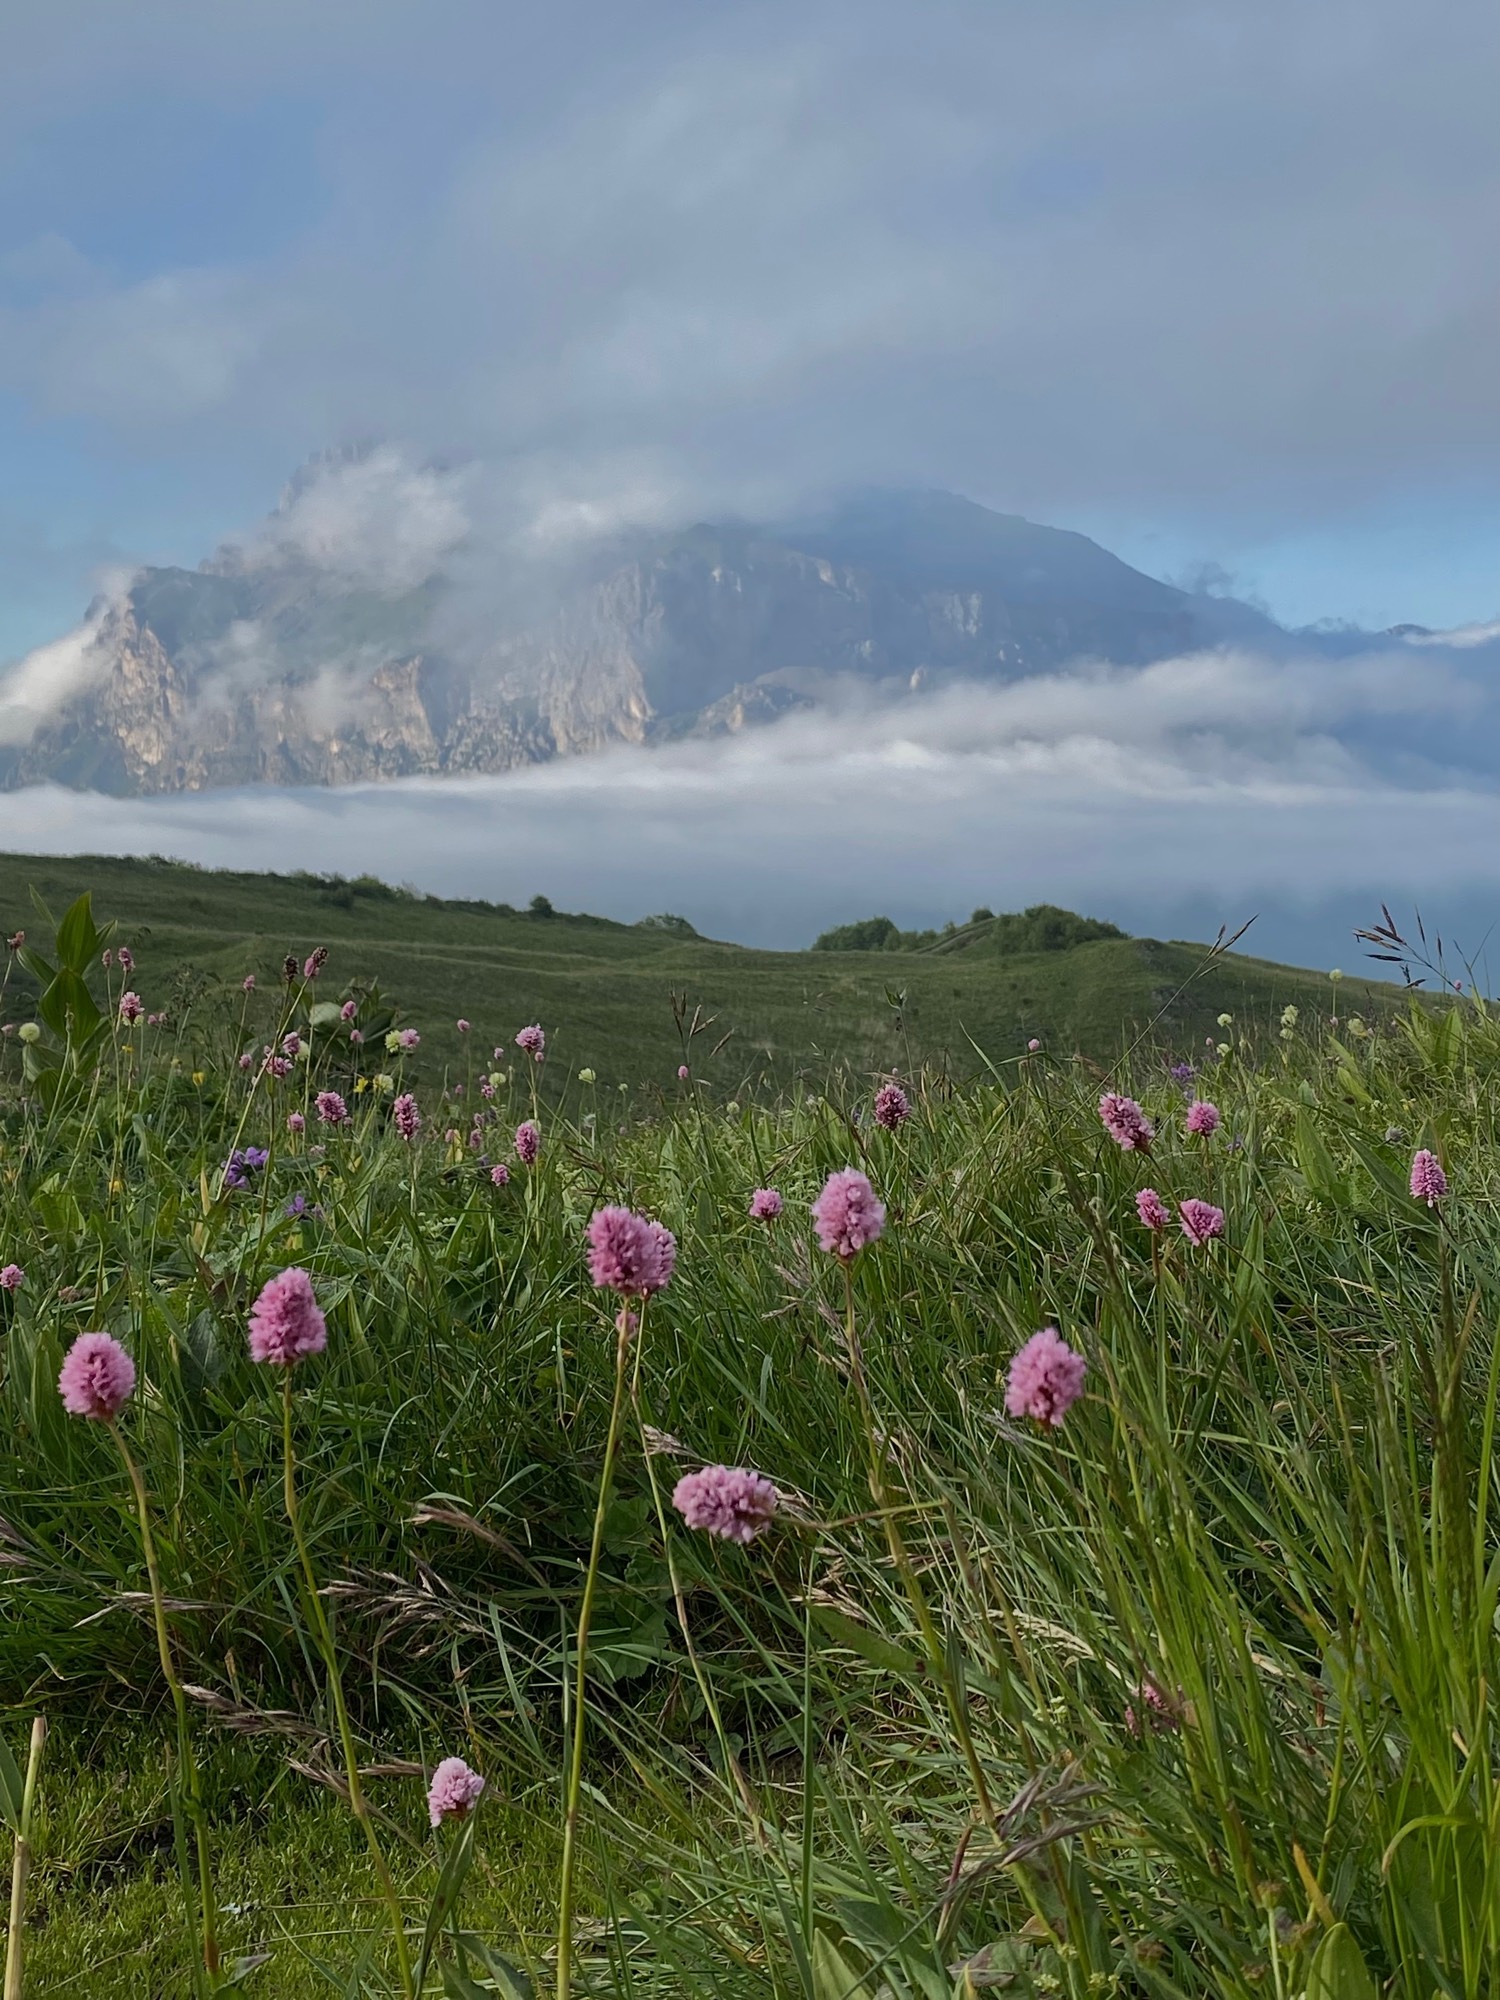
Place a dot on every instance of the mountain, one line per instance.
(267, 665)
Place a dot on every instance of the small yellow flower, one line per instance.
(360, 1086)
(392, 1043)
(197, 1076)
(587, 1076)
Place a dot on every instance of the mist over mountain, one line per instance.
(370, 630)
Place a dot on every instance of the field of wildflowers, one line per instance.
(904, 1540)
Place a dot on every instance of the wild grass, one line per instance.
(1223, 1642)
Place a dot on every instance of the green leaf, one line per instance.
(834, 1978)
(1338, 1970)
(12, 1788)
(445, 1895)
(870, 1645)
(77, 936)
(503, 1974)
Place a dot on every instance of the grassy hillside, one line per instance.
(604, 990)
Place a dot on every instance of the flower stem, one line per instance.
(931, 1639)
(574, 1791)
(357, 1800)
(204, 1911)
(21, 1866)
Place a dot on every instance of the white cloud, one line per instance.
(48, 675)
(373, 518)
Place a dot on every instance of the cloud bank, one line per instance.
(1171, 799)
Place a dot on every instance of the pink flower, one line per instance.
(1428, 1181)
(1046, 1378)
(12, 1278)
(348, 1011)
(629, 1254)
(500, 1174)
(1201, 1221)
(462, 1025)
(1202, 1118)
(291, 1045)
(1126, 1123)
(97, 1378)
(532, 1041)
(285, 1323)
(127, 961)
(765, 1205)
(245, 1060)
(331, 1108)
(295, 1122)
(357, 1036)
(848, 1215)
(487, 1090)
(316, 963)
(892, 1107)
(528, 1143)
(247, 984)
(406, 1116)
(1152, 1210)
(682, 1072)
(131, 1009)
(278, 1066)
(727, 1501)
(453, 1137)
(408, 1039)
(1032, 1046)
(107, 959)
(454, 1791)
(1160, 1713)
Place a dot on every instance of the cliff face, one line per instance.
(230, 675)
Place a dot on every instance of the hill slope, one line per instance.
(604, 990)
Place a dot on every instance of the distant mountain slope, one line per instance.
(604, 990)
(263, 667)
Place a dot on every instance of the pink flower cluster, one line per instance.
(1152, 1210)
(97, 1379)
(727, 1501)
(1046, 1378)
(1201, 1221)
(408, 1039)
(131, 1008)
(532, 1042)
(331, 1108)
(454, 1791)
(500, 1175)
(1428, 1181)
(1202, 1118)
(285, 1323)
(406, 1117)
(848, 1215)
(528, 1143)
(12, 1278)
(630, 1254)
(765, 1205)
(1126, 1123)
(892, 1107)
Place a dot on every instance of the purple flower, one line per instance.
(454, 1791)
(348, 1011)
(848, 1215)
(242, 1163)
(528, 1143)
(316, 963)
(1428, 1181)
(1032, 1046)
(12, 1278)
(1201, 1221)
(247, 984)
(1202, 1118)
(500, 1174)
(357, 1036)
(892, 1107)
(727, 1501)
(126, 958)
(1126, 1123)
(462, 1025)
(291, 1045)
(1182, 1073)
(408, 1039)
(331, 1108)
(486, 1090)
(245, 1060)
(682, 1072)
(295, 1122)
(131, 1009)
(285, 1323)
(765, 1205)
(1152, 1210)
(97, 1378)
(1046, 1378)
(532, 1041)
(297, 1206)
(406, 1116)
(275, 1065)
(629, 1254)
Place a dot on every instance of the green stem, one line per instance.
(21, 1866)
(357, 1800)
(915, 1595)
(574, 1791)
(205, 1910)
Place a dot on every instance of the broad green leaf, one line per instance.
(77, 937)
(1338, 1970)
(870, 1645)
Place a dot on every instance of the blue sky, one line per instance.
(1216, 284)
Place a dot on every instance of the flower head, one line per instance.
(765, 1205)
(848, 1215)
(356, 1036)
(1046, 1378)
(331, 1108)
(727, 1501)
(454, 1791)
(892, 1107)
(1428, 1181)
(682, 1072)
(97, 1378)
(316, 963)
(348, 1011)
(1183, 1073)
(531, 1041)
(1159, 1712)
(131, 1008)
(500, 1174)
(30, 1032)
(629, 1254)
(1126, 1123)
(1201, 1221)
(285, 1323)
(246, 1059)
(406, 1116)
(528, 1142)
(247, 984)
(295, 1122)
(1202, 1117)
(1152, 1210)
(242, 1163)
(462, 1025)
(12, 1278)
(291, 1045)
(408, 1039)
